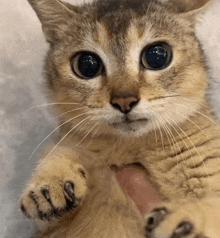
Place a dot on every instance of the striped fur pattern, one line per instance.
(171, 132)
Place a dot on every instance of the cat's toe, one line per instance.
(50, 202)
(153, 221)
(57, 208)
(51, 197)
(176, 220)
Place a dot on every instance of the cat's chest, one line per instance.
(157, 164)
(113, 151)
(170, 172)
(114, 154)
(176, 169)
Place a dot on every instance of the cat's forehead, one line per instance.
(118, 40)
(118, 17)
(118, 14)
(118, 31)
(117, 26)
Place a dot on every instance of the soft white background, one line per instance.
(22, 48)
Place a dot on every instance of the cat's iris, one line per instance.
(157, 56)
(86, 65)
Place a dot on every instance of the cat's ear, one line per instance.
(193, 10)
(54, 16)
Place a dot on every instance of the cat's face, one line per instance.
(132, 68)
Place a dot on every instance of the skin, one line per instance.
(141, 192)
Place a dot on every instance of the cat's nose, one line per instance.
(124, 101)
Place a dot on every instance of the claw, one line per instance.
(183, 229)
(24, 210)
(34, 197)
(46, 194)
(71, 200)
(155, 218)
(69, 191)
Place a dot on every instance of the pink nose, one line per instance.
(124, 104)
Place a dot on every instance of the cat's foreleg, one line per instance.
(197, 218)
(107, 212)
(58, 185)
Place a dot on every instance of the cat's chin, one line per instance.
(131, 127)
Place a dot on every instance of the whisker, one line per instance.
(195, 126)
(54, 131)
(161, 135)
(51, 104)
(80, 130)
(166, 130)
(173, 143)
(170, 133)
(95, 133)
(181, 137)
(192, 145)
(173, 140)
(199, 113)
(154, 127)
(69, 112)
(87, 134)
(155, 134)
(182, 141)
(65, 137)
(176, 146)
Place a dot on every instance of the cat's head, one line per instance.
(125, 66)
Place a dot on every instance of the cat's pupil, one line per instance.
(156, 57)
(88, 65)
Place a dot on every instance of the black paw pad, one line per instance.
(155, 218)
(183, 229)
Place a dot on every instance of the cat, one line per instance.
(129, 79)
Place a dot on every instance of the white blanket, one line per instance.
(22, 48)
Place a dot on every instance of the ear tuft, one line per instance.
(54, 17)
(190, 5)
(193, 10)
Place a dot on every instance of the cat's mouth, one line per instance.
(126, 122)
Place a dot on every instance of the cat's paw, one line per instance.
(49, 195)
(170, 221)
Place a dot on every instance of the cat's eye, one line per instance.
(157, 56)
(86, 65)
